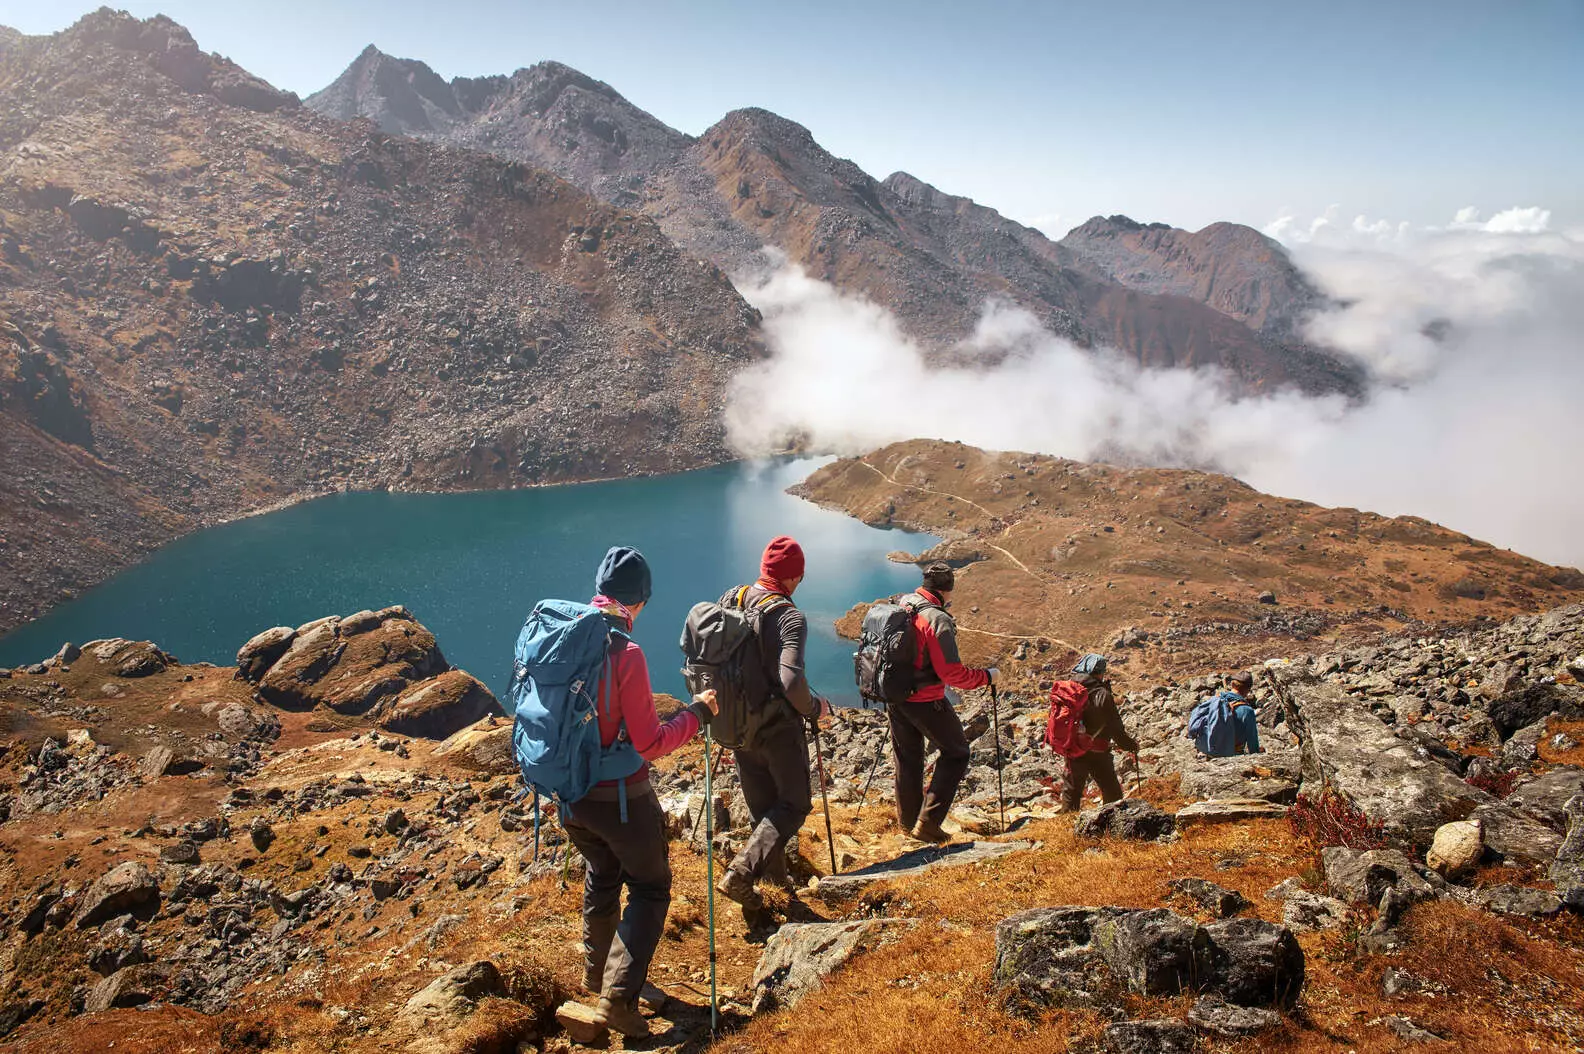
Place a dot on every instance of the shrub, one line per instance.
(1498, 783)
(1332, 819)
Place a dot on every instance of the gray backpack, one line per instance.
(721, 649)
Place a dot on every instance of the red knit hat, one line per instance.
(782, 560)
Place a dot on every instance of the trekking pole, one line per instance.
(709, 872)
(707, 802)
(885, 734)
(995, 725)
(819, 755)
(1138, 775)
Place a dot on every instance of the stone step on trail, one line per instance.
(917, 862)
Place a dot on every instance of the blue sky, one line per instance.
(1186, 112)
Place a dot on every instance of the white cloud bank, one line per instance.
(1473, 335)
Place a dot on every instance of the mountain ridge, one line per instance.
(755, 178)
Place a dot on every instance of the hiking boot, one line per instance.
(925, 831)
(619, 1017)
(593, 980)
(739, 887)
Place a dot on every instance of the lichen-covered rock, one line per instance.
(1254, 962)
(1303, 912)
(1567, 871)
(1047, 957)
(1347, 749)
(132, 986)
(1154, 952)
(1508, 899)
(800, 955)
(1218, 1017)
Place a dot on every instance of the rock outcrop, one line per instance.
(1075, 956)
(380, 665)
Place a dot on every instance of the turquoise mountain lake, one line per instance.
(471, 566)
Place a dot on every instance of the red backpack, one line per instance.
(1064, 730)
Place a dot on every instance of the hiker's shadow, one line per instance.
(689, 1026)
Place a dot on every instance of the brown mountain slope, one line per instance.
(1232, 268)
(212, 300)
(1171, 560)
(756, 179)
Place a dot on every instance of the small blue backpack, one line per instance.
(563, 655)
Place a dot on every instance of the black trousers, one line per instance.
(632, 854)
(912, 724)
(1095, 765)
(775, 786)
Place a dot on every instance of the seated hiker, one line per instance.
(1102, 722)
(627, 846)
(774, 765)
(927, 715)
(1245, 718)
(1220, 724)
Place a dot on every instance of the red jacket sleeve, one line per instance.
(635, 705)
(947, 663)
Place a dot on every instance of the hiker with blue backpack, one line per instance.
(584, 731)
(1226, 723)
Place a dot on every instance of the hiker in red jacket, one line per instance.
(928, 714)
(625, 843)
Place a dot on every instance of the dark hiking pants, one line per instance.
(633, 854)
(1095, 765)
(912, 724)
(775, 786)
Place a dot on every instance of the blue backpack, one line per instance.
(1210, 725)
(563, 655)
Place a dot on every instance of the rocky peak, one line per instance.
(171, 50)
(543, 83)
(402, 95)
(1232, 268)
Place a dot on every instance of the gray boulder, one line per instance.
(1524, 705)
(1129, 818)
(800, 955)
(450, 998)
(126, 889)
(1217, 900)
(1347, 749)
(132, 986)
(1508, 899)
(1567, 871)
(1305, 912)
(1273, 776)
(1544, 798)
(1363, 876)
(1087, 957)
